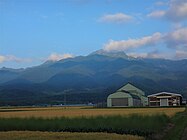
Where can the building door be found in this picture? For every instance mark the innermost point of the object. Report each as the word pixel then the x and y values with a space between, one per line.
pixel 164 102
pixel 120 102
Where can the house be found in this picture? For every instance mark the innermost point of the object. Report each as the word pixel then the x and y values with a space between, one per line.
pixel 127 96
pixel 165 99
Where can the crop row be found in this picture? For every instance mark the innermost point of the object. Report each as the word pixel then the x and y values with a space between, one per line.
pixel 134 124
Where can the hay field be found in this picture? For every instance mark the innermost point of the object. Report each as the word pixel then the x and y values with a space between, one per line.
pixel 30 135
pixel 51 112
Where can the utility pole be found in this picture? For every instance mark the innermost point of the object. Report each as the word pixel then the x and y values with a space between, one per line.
pixel 65 99
pixel 65 96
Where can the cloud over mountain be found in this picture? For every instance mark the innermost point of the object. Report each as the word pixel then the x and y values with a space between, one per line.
pixel 132 43
pixel 175 39
pixel 8 58
pixel 56 57
pixel 2 58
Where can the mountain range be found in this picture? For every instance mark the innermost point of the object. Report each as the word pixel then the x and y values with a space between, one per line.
pixel 85 79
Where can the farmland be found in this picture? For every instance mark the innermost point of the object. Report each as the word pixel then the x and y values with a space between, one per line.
pixel 51 112
pixel 30 135
pixel 60 122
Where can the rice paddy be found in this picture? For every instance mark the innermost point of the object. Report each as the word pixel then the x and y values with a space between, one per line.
pixel 36 135
pixel 51 112
pixel 135 124
pixel 84 123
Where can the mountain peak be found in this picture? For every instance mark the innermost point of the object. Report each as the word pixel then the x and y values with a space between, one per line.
pixel 117 54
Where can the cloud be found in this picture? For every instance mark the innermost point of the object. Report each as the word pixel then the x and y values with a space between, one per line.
pixel 57 57
pixel 160 3
pixel 8 58
pixel 116 18
pixel 154 54
pixel 52 57
pixel 157 14
pixel 177 11
pixel 2 58
pixel 158 54
pixel 177 38
pixel 180 54
pixel 137 55
pixel 133 43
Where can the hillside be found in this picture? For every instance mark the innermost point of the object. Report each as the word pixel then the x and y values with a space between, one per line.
pixel 90 78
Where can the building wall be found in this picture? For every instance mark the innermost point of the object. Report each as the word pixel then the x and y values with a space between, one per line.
pixel 137 102
pixel 144 100
pixel 153 101
pixel 172 100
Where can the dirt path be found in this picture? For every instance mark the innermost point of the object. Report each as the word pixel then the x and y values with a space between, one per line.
pixel 179 127
pixel 184 136
pixel 159 136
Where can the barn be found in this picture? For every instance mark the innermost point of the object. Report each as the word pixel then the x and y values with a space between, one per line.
pixel 165 99
pixel 127 96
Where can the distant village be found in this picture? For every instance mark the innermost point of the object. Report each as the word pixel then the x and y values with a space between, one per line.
pixel 131 96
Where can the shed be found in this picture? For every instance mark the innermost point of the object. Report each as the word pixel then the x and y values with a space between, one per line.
pixel 127 96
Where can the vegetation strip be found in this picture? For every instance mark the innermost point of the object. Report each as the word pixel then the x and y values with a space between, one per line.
pixel 134 124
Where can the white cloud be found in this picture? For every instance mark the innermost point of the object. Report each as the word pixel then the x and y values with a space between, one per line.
pixel 180 54
pixel 57 57
pixel 160 3
pixel 177 11
pixel 157 54
pixel 177 38
pixel 137 55
pixel 132 43
pixel 157 14
pixel 116 18
pixel 153 54
pixel 8 58
pixel 2 58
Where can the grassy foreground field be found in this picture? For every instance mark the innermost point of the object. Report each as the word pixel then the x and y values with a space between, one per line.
pixel 51 112
pixel 30 135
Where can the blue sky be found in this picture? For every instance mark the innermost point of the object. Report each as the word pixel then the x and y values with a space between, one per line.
pixel 34 31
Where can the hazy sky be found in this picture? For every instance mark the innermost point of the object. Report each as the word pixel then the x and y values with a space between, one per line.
pixel 33 31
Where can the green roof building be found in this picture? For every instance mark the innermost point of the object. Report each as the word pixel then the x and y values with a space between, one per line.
pixel 127 96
